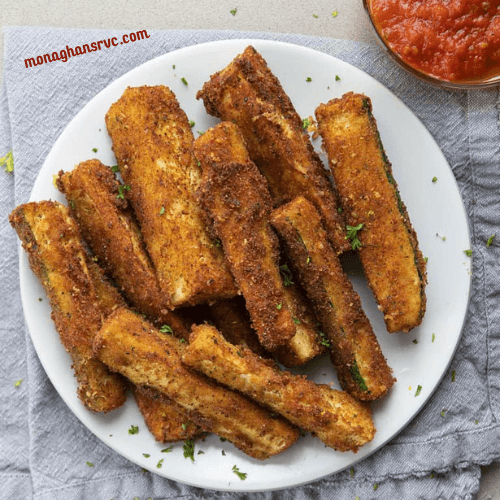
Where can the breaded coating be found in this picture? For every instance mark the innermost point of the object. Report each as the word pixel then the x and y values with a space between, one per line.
pixel 232 319
pixel 361 367
pixel 335 417
pixel 247 93
pixel 166 420
pixel 57 257
pixel 128 344
pixel 235 197
pixel 307 342
pixel 109 228
pixel 153 141
pixel 392 262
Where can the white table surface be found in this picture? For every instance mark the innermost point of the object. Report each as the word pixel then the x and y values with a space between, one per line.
pixel 282 16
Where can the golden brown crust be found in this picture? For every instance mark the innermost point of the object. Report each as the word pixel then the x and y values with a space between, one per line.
pixel 130 345
pixel 392 261
pixel 109 228
pixel 232 319
pixel 152 141
pixel 333 416
pixel 166 420
pixel 52 242
pixel 361 367
pixel 247 93
pixel 235 196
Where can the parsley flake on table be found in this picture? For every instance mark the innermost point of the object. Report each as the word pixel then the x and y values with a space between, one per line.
pixel 241 475
pixel 17 383
pixel 188 448
pixel 7 162
pixel 315 16
pixel 453 375
pixel 335 13
pixel 490 240
pixel 90 464
pixel 233 11
pixel 134 429
pixel 443 411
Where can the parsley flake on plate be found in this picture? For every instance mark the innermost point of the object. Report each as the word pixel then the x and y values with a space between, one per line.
pixel 241 475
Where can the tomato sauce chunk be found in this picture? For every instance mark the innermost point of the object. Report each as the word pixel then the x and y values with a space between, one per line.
pixel 453 40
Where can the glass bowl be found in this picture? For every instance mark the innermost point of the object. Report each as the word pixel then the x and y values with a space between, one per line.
pixel 478 84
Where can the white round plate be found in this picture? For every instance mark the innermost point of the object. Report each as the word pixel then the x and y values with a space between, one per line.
pixel 437 214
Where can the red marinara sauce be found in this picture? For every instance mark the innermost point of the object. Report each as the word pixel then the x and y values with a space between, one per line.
pixel 454 40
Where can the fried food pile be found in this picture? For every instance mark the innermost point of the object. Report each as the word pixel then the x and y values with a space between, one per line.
pixel 198 272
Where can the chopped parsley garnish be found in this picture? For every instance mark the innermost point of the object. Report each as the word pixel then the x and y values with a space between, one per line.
pixel 94 150
pixel 415 341
pixel 17 383
pixel 167 450
pixel 490 240
pixel 192 123
pixel 7 162
pixel 305 123
pixel 324 341
pixel 419 389
pixel 434 179
pixel 468 253
pixel 184 81
pixel 233 12
pixel 352 235
pixel 121 191
pixel 375 486
pixel 166 329
pixel 90 464
pixel 188 448
pixel 134 429
pixel 286 275
pixel 453 375
pixel 160 463
pixel 146 455
pixel 337 78
pixel 433 337
pixel 241 475
pixel 162 210
pixel 309 79
pixel 443 411
pixel 279 306
pixel 296 321
pixel 315 16
pixel 335 13
pixel 115 168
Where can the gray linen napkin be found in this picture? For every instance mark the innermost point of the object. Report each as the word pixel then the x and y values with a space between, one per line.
pixel 44 447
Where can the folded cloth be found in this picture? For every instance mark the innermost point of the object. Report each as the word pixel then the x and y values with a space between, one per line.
pixel 44 447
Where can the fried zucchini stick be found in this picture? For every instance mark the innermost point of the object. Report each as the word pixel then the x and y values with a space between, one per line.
pixel 152 141
pixel 109 228
pixel 333 416
pixel 232 319
pixel 53 243
pixel 235 197
pixel 361 367
pixel 392 262
pixel 247 93
pixel 166 420
pixel 131 346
